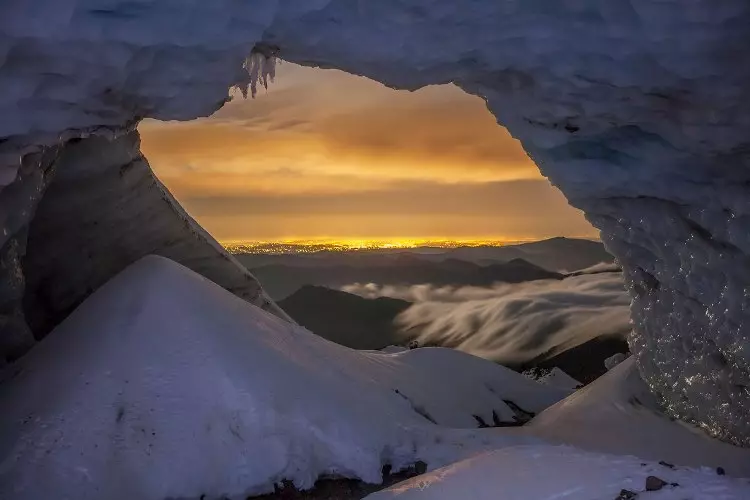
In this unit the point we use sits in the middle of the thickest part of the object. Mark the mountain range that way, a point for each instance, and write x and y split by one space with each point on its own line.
284 274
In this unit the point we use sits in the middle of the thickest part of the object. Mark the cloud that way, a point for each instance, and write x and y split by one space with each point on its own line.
330 123
500 210
512 324
323 153
601 267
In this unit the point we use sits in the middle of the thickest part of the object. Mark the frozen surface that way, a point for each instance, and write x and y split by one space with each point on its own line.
618 414
562 473
164 385
123 214
639 110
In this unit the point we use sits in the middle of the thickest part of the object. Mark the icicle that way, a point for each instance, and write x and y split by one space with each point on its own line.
261 67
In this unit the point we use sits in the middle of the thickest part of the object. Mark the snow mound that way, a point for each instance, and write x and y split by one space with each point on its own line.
618 414
546 472
164 385
394 349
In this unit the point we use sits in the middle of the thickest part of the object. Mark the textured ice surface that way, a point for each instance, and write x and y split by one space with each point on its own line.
104 210
639 110
164 385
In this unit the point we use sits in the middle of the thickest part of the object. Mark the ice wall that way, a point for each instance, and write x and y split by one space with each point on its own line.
639 110
104 210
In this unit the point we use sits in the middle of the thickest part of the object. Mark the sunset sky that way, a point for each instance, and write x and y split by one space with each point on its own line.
326 155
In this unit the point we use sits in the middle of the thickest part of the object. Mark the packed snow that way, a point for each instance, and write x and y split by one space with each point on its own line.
618 414
164 385
563 473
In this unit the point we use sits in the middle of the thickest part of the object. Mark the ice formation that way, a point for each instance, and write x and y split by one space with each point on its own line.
164 385
639 110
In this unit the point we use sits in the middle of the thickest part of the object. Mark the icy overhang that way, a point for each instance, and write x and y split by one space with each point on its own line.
639 110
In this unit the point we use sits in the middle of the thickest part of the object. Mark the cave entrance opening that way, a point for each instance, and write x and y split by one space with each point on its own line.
319 156
327 157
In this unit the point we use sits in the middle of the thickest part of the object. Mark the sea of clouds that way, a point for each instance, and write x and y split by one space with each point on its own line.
512 323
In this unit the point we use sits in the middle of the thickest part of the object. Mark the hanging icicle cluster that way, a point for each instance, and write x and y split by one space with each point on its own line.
261 67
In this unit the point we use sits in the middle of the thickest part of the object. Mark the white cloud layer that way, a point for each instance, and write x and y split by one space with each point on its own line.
512 323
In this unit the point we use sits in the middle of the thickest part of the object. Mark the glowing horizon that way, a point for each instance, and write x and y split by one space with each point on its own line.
329 156
334 244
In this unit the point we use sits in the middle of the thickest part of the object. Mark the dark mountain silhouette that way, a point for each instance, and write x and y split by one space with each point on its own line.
282 280
344 318
584 362
360 323
555 254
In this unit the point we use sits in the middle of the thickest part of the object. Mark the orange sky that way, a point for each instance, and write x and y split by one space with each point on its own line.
323 154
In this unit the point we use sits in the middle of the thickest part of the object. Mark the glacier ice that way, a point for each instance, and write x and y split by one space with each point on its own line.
104 210
638 110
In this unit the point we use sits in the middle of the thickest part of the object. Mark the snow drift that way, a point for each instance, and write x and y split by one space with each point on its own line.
512 324
164 385
618 414
547 472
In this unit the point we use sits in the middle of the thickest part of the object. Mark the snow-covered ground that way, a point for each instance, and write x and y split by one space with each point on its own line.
618 414
563 473
164 385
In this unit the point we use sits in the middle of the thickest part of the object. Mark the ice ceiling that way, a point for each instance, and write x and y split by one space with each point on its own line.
638 110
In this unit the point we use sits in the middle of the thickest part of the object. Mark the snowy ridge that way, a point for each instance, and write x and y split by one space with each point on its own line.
164 385
618 414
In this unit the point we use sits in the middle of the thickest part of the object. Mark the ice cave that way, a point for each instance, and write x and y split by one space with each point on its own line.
638 110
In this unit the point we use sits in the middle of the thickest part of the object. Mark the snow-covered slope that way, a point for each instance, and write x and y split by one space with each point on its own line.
164 385
618 414
563 473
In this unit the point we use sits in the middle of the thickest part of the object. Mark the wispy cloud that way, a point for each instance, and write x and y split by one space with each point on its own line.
512 323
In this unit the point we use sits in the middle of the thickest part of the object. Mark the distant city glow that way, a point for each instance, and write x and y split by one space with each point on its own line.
321 245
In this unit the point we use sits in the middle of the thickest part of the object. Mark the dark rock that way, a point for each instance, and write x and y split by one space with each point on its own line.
654 483
584 363
342 489
720 471
666 464
626 495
